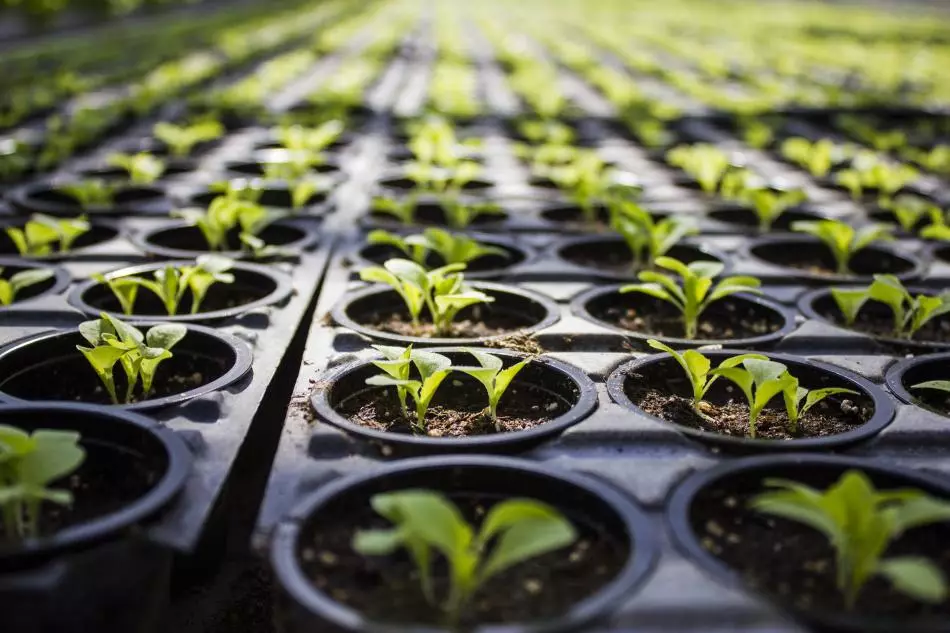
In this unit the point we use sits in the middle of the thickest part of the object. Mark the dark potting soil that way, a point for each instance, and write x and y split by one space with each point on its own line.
106 481
221 296
572 214
379 253
831 416
190 238
795 563
431 214
877 321
458 409
386 588
72 379
613 256
816 259
493 324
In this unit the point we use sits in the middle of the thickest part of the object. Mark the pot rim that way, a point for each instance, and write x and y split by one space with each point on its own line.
142 240
562 244
61 278
894 377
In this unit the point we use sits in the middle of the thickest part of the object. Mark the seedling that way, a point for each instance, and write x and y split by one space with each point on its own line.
433 369
29 463
182 139
589 181
10 288
706 163
114 341
694 292
442 291
226 214
762 380
494 378
42 233
817 157
452 248
887 179
647 238
90 194
697 368
242 190
769 205
910 312
142 168
403 208
513 531
938 385
861 522
312 140
171 283
842 239
909 210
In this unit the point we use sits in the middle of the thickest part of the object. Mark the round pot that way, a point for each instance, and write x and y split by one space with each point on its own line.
819 304
255 286
154 146
526 311
31 368
874 259
257 166
812 374
429 213
52 286
100 231
270 142
568 214
132 200
607 307
400 184
173 167
484 267
273 194
941 252
565 385
901 376
144 465
180 240
687 515
609 256
595 507
745 220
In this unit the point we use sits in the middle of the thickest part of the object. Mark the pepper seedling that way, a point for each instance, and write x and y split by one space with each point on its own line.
182 139
494 378
860 522
513 531
452 248
697 367
647 238
41 233
402 208
239 189
694 292
114 341
226 214
842 239
90 194
910 312
432 368
887 179
29 463
171 283
143 168
10 288
442 291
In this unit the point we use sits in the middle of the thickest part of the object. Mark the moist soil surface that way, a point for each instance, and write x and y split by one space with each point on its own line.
72 379
491 323
106 481
380 253
458 409
796 564
190 238
880 324
613 256
386 588
815 259
831 416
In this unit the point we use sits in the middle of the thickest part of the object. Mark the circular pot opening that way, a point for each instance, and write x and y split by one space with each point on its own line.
190 239
902 377
431 213
48 367
491 263
381 312
271 196
97 234
612 256
577 589
812 258
794 564
747 219
258 169
403 183
54 284
658 387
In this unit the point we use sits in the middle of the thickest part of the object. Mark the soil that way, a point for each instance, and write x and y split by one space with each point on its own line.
518 342
727 319
465 328
933 399
796 564
816 259
828 417
613 255
72 379
220 296
386 588
878 322
431 214
747 218
106 481
379 253
95 235
190 238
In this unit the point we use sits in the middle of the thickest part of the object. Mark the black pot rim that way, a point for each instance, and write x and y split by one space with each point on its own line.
569 242
678 522
917 266
284 287
142 240
579 303
579 411
342 318
20 199
528 254
61 278
640 533
101 528
243 358
884 409
806 307
894 376
94 222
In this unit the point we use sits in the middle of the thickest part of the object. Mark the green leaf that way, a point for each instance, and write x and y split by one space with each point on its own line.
941 385
527 539
849 302
915 576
